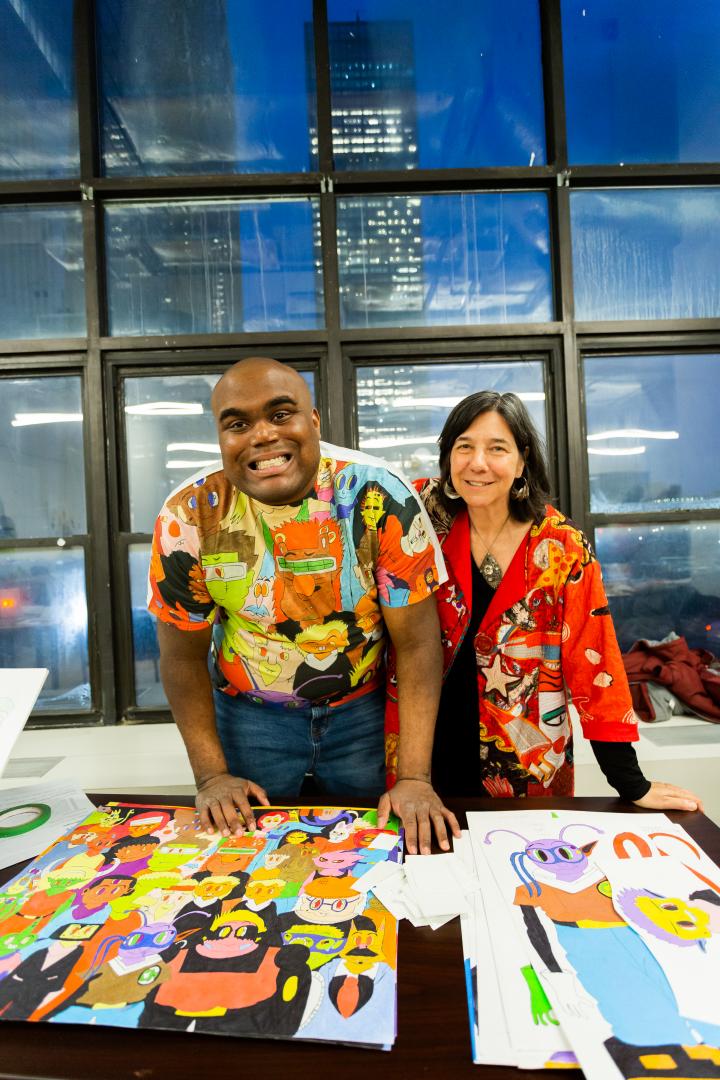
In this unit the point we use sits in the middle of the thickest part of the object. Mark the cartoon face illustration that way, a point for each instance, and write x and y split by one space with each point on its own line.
262 890
198 502
564 861
340 831
335 863
227 578
215 887
329 900
323 945
272 819
363 948
234 934
234 853
372 508
110 989
676 916
308 557
322 641
144 824
147 942
669 918
273 654
261 598
416 539
171 855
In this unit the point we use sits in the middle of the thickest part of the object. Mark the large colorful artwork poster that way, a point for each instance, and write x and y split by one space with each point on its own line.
139 918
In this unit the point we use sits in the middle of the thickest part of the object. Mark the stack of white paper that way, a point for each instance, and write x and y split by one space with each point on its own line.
32 818
426 890
593 939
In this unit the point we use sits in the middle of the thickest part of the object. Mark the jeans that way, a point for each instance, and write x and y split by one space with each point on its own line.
341 746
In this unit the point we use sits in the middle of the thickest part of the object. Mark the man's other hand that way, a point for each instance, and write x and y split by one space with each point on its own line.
223 803
421 810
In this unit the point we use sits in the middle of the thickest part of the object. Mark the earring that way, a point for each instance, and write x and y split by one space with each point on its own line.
521 492
450 491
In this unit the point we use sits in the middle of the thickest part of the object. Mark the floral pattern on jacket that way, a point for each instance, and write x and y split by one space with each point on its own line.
546 650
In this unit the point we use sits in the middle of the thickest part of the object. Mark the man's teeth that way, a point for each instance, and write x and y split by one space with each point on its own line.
270 463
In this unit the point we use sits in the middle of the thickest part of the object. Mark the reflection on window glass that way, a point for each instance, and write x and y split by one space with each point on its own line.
39 131
216 266
43 621
444 259
171 435
41 450
660 55
415 88
652 434
146 653
663 579
401 409
43 275
646 254
219 90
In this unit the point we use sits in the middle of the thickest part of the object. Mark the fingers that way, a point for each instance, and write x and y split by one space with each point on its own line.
411 833
258 793
425 832
205 820
438 821
383 811
662 796
452 822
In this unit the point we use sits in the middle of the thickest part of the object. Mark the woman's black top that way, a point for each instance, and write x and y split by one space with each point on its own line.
456 754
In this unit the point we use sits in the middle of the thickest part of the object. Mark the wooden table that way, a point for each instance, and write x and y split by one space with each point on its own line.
433 1035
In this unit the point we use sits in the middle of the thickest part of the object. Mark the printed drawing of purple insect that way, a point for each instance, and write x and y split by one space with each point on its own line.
566 861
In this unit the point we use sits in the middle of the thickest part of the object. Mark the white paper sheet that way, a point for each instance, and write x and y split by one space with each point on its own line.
19 688
32 818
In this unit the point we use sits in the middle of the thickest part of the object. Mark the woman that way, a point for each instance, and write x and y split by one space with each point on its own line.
526 630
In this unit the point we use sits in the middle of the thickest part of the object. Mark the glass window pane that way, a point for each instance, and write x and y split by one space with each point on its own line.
662 579
227 86
38 132
213 267
402 408
41 450
652 432
43 621
146 653
170 434
416 85
42 275
444 259
646 254
641 80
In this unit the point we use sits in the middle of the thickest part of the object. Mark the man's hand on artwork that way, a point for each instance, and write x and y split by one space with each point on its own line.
663 796
420 810
223 803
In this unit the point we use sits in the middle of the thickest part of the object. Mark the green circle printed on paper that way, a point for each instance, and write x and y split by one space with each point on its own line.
16 820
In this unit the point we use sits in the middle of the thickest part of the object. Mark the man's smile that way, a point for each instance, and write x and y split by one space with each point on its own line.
263 465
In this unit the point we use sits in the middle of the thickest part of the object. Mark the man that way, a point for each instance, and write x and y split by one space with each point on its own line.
289 563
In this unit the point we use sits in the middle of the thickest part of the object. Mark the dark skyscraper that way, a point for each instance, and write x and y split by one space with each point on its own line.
374 127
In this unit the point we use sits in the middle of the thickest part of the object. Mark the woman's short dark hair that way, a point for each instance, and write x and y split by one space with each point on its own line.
517 418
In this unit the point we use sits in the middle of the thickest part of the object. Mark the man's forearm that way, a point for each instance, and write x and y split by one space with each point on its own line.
419 679
189 693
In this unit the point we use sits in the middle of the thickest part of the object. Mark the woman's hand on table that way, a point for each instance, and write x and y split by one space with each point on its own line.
662 796
421 811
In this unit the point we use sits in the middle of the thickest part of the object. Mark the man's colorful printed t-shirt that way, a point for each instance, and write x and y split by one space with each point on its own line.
295 592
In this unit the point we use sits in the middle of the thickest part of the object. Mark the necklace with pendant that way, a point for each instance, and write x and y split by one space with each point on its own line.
490 567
